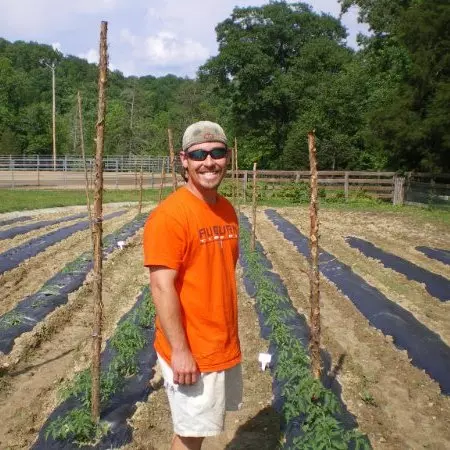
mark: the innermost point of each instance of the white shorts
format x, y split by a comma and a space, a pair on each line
198, 410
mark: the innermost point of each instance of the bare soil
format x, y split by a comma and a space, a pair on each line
30, 275
396, 404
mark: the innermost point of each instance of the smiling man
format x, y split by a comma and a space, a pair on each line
191, 249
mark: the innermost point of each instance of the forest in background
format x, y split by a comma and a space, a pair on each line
281, 70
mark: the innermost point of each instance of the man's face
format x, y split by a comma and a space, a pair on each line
206, 174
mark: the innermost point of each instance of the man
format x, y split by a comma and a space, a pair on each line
191, 249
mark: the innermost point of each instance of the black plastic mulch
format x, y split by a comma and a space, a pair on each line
437, 285
425, 348
300, 329
121, 406
14, 220
14, 256
55, 292
436, 253
22, 229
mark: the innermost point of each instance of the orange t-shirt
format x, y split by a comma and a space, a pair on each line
200, 241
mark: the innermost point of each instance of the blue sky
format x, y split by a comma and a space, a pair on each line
144, 37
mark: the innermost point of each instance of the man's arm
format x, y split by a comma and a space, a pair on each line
168, 309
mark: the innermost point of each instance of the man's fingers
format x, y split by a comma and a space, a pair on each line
187, 378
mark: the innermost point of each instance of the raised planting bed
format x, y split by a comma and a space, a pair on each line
313, 413
14, 256
436, 285
13, 232
55, 292
127, 366
436, 253
425, 348
14, 220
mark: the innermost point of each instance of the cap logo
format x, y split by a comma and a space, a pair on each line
208, 136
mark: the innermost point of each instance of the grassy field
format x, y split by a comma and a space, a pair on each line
22, 200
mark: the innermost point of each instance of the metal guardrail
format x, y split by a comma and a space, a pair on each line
69, 163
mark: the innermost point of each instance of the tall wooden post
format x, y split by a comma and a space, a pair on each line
314, 342
141, 178
252, 243
163, 174
172, 160
233, 194
236, 181
83, 155
98, 231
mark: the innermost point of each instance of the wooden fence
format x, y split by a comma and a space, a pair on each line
384, 185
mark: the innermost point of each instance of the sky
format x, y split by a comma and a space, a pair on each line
144, 37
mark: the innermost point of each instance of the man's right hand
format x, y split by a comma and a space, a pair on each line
184, 367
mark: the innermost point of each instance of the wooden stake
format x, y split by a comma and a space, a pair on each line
172, 160
83, 155
254, 210
314, 295
233, 194
163, 174
236, 181
141, 179
98, 218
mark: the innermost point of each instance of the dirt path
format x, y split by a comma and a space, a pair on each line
387, 233
30, 275
62, 346
396, 404
255, 426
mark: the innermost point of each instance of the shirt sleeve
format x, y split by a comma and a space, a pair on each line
164, 241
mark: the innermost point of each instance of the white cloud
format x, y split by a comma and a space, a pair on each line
91, 56
56, 46
144, 37
165, 48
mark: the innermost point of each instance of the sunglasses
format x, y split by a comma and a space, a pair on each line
201, 155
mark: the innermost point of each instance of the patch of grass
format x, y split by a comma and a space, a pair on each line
305, 397
24, 199
10, 319
128, 339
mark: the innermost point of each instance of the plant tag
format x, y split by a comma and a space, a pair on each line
121, 244
264, 359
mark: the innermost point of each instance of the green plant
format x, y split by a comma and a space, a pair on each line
10, 319
127, 340
305, 397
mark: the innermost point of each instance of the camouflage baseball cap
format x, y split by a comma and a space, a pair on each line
203, 131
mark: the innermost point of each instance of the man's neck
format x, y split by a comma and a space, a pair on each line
207, 195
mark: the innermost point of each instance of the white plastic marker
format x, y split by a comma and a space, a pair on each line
264, 359
121, 244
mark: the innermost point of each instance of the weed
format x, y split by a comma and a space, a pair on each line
10, 319
367, 398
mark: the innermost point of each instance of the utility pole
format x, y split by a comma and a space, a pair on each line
52, 67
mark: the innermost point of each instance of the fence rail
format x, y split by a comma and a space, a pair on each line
122, 172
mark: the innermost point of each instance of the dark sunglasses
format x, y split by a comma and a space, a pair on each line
201, 155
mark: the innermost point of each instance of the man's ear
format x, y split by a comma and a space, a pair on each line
183, 159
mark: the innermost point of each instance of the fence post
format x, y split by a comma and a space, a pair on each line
11, 168
346, 185
65, 170
152, 178
399, 191
297, 177
38, 175
117, 173
245, 185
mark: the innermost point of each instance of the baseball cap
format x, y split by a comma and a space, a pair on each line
203, 131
